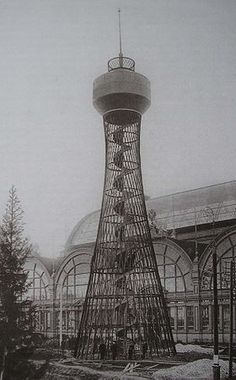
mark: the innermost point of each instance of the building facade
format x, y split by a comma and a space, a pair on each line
186, 227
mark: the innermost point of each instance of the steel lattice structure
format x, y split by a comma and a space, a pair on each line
124, 301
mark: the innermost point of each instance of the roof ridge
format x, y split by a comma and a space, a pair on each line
191, 190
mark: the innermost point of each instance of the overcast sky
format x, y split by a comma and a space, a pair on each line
51, 137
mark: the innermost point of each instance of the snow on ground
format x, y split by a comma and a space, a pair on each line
199, 369
181, 348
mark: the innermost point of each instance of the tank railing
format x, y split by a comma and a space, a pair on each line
121, 63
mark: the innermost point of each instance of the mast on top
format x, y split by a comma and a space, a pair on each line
120, 53
121, 62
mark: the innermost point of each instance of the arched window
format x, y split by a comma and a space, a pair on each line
37, 280
225, 248
173, 266
73, 278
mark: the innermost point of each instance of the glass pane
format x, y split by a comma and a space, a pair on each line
180, 318
205, 317
81, 290
226, 317
172, 316
71, 293
180, 284
44, 293
37, 283
169, 270
71, 279
190, 320
159, 259
37, 294
82, 279
170, 284
168, 261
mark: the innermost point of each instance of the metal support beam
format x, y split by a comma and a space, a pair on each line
216, 367
232, 269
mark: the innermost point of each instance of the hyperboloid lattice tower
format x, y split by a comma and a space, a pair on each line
124, 311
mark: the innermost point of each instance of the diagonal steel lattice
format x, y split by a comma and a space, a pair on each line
124, 303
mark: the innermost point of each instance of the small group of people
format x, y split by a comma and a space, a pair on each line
114, 350
103, 350
131, 350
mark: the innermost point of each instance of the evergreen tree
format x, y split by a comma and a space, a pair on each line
14, 249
